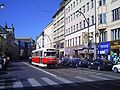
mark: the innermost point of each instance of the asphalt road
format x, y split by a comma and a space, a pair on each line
23, 76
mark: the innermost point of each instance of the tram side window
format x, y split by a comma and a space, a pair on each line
33, 54
36, 53
40, 53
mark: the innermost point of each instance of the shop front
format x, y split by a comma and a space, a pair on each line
115, 51
104, 50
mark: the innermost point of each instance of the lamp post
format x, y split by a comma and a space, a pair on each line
88, 27
2, 6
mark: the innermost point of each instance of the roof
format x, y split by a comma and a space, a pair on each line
2, 30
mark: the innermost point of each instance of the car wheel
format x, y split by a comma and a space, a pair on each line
76, 65
89, 67
115, 70
99, 68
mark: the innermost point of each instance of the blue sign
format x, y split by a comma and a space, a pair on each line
103, 47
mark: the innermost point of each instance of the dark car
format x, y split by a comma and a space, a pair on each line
63, 61
1, 63
85, 62
74, 62
100, 64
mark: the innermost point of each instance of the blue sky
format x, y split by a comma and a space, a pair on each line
28, 16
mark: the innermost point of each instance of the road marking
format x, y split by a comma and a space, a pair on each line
82, 78
64, 80
49, 81
40, 69
33, 82
17, 84
99, 77
2, 85
115, 77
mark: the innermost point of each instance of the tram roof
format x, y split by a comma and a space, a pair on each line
42, 49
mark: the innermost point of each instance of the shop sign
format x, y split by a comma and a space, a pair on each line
85, 38
115, 45
103, 48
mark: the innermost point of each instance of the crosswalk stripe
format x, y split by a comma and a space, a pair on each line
112, 76
33, 82
2, 85
49, 81
17, 84
82, 78
64, 80
99, 77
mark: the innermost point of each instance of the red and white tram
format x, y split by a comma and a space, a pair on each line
44, 57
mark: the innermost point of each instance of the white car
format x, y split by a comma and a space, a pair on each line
116, 68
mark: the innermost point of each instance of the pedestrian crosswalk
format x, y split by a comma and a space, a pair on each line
56, 81
34, 82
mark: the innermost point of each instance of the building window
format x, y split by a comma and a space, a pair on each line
69, 8
80, 11
116, 14
79, 40
84, 23
103, 36
115, 34
76, 2
73, 41
102, 2
88, 21
102, 18
80, 25
92, 4
92, 19
68, 30
80, 1
71, 29
62, 45
76, 27
73, 4
71, 17
114, 0
70, 42
84, 9
88, 6
68, 18
76, 41
74, 15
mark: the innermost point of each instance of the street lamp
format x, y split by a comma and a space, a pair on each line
88, 27
2, 6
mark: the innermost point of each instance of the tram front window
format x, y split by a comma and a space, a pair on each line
50, 54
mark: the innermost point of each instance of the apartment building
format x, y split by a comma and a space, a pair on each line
40, 41
108, 26
79, 20
48, 35
58, 34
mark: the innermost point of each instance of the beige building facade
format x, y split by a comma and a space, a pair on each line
108, 27
58, 34
79, 21
48, 36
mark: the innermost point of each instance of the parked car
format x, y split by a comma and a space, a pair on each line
1, 63
116, 68
100, 64
85, 62
74, 62
63, 61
